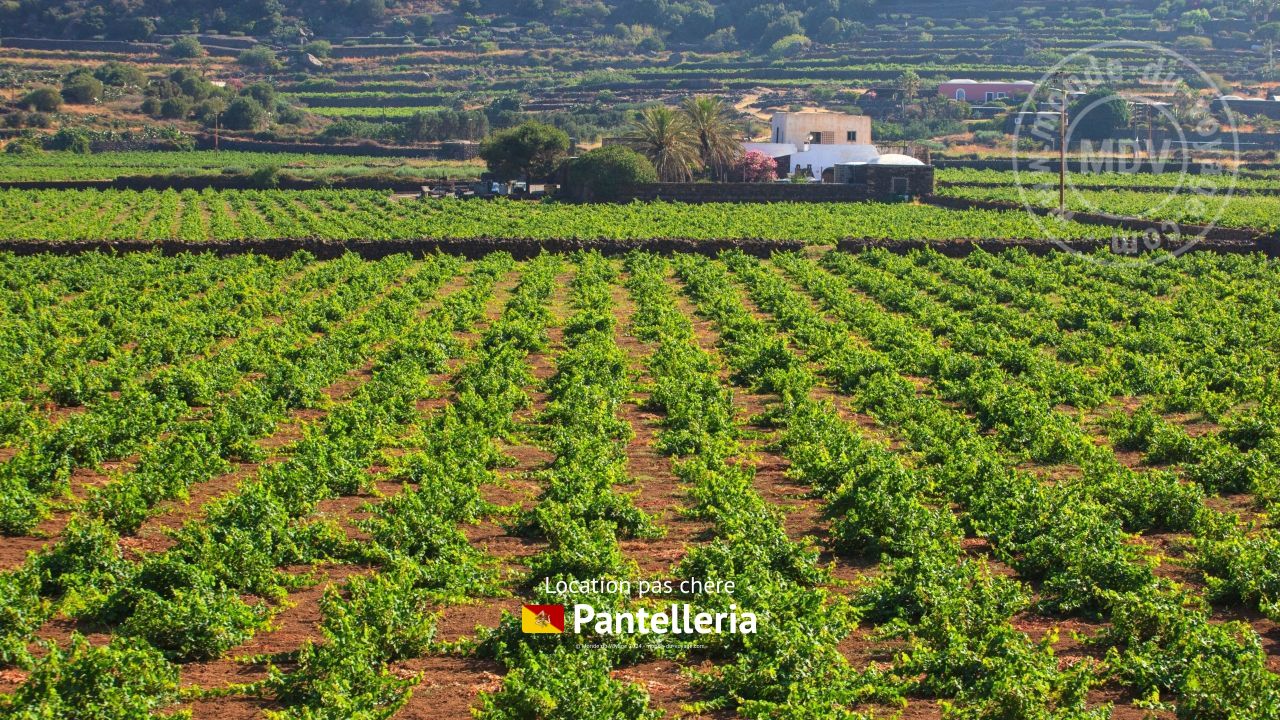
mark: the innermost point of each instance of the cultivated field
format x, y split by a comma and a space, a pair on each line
999, 487
209, 215
61, 166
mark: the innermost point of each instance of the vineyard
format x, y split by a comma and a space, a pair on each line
205, 216
61, 166
1205, 206
1004, 486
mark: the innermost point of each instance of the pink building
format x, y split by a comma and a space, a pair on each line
973, 91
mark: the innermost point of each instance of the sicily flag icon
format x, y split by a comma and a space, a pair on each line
542, 618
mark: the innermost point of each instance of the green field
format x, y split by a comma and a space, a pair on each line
110, 165
1211, 206
60, 215
911, 468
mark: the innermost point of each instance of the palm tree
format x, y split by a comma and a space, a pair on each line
714, 132
908, 87
664, 136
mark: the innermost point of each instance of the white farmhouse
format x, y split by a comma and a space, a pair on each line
816, 141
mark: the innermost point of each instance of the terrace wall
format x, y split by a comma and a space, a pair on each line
520, 248
437, 151
1073, 165
1129, 224
746, 192
116, 46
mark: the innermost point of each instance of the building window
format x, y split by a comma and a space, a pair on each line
851, 136
900, 186
777, 135
960, 94
815, 138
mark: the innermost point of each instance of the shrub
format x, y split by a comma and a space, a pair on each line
1193, 42
319, 48
244, 113
123, 679
788, 46
756, 167
290, 115
82, 90
43, 99
175, 108
605, 173
259, 58
120, 74
262, 92
265, 177
23, 146
186, 47
563, 684
72, 140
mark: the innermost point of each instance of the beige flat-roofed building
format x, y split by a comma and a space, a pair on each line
820, 128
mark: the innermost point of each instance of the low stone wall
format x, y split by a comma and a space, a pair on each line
437, 151
1083, 184
121, 46
1074, 166
964, 247
1116, 221
746, 192
107, 46
223, 182
520, 248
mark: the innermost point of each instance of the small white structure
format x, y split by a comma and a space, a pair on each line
814, 142
887, 176
845, 170
895, 159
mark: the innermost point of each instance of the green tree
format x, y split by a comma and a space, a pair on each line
1185, 102
244, 113
715, 133
908, 86
209, 111
175, 108
528, 151
605, 173
664, 136
264, 93
1098, 114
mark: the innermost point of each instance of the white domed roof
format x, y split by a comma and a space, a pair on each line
895, 159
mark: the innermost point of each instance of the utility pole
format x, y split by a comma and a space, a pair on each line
1151, 132
1062, 157
1062, 144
